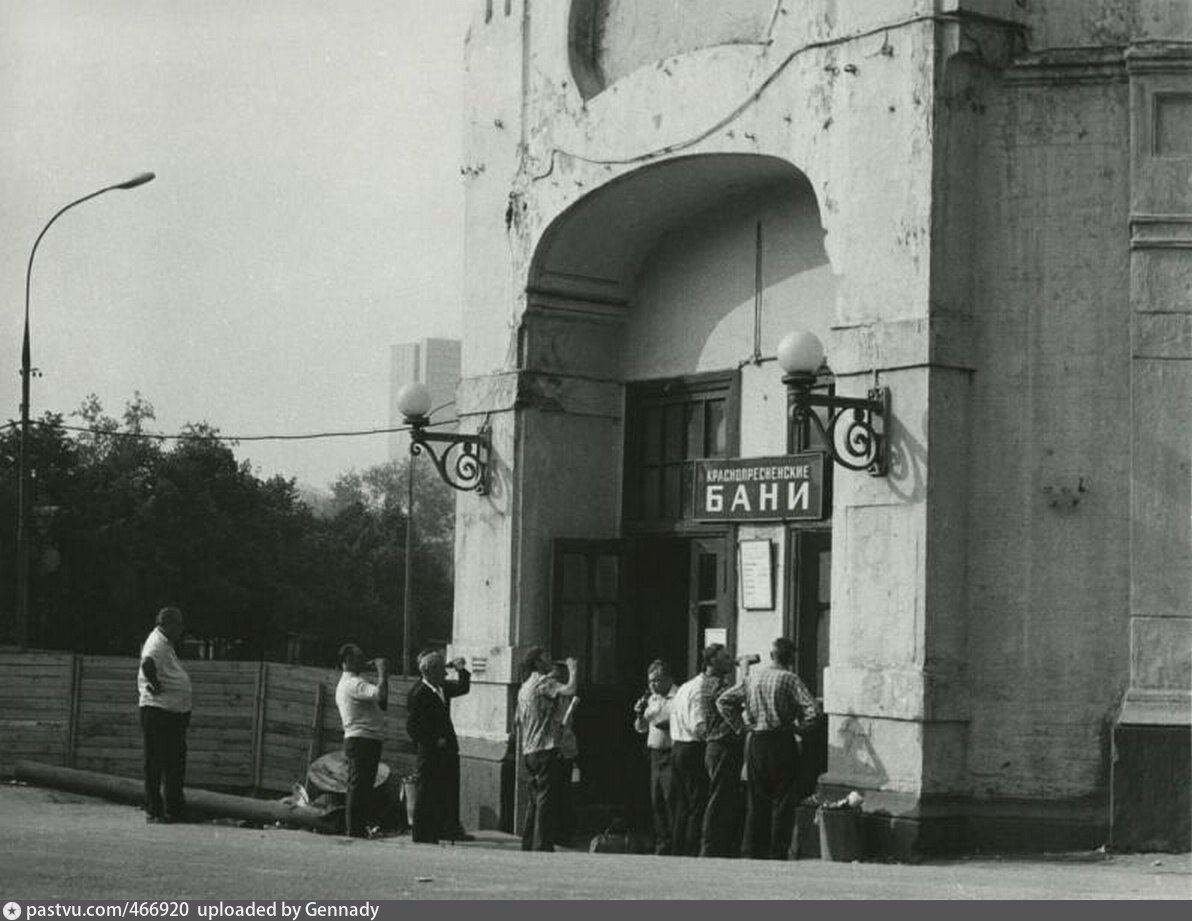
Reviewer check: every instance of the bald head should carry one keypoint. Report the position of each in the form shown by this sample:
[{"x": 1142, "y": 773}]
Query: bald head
[{"x": 169, "y": 620}]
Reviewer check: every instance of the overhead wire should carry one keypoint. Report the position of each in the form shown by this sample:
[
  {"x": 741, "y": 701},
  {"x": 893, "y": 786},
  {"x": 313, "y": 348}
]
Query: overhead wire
[{"x": 217, "y": 436}]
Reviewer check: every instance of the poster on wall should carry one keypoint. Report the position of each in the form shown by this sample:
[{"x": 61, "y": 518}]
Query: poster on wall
[{"x": 756, "y": 575}]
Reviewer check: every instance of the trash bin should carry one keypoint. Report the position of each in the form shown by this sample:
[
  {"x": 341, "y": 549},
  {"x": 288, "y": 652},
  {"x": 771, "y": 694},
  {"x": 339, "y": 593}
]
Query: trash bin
[{"x": 840, "y": 833}]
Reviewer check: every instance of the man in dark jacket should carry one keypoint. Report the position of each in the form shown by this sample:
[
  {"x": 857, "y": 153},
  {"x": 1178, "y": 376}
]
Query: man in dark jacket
[{"x": 436, "y": 807}]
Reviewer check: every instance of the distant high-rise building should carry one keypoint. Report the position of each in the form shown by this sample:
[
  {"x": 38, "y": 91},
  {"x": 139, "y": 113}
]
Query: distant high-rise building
[{"x": 433, "y": 362}]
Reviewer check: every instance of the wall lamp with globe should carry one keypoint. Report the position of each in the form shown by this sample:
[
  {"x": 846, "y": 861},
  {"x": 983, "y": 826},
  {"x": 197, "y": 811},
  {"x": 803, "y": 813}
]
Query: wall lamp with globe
[
  {"x": 861, "y": 444},
  {"x": 462, "y": 460}
]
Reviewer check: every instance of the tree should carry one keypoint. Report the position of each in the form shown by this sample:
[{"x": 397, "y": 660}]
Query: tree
[
  {"x": 369, "y": 513},
  {"x": 131, "y": 522}
]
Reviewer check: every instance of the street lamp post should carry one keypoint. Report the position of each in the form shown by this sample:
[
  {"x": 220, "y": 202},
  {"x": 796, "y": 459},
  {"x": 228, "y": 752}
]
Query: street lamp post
[
  {"x": 23, "y": 492},
  {"x": 408, "y": 591}
]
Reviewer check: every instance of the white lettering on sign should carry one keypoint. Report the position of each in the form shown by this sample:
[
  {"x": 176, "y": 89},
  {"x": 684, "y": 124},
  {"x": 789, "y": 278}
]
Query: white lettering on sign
[
  {"x": 748, "y": 474},
  {"x": 764, "y": 488}
]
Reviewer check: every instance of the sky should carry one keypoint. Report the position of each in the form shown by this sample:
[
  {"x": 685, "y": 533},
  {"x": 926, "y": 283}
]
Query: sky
[{"x": 307, "y": 212}]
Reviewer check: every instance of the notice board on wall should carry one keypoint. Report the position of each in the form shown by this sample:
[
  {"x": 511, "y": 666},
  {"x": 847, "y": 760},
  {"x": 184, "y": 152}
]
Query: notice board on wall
[{"x": 756, "y": 574}]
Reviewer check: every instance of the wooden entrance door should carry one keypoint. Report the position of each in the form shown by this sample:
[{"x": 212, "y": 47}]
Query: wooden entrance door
[
  {"x": 591, "y": 621},
  {"x": 808, "y": 622},
  {"x": 617, "y": 606}
]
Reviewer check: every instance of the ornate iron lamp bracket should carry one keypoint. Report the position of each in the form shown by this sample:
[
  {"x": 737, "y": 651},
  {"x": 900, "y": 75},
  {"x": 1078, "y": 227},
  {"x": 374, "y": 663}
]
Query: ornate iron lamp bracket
[
  {"x": 462, "y": 461},
  {"x": 861, "y": 444}
]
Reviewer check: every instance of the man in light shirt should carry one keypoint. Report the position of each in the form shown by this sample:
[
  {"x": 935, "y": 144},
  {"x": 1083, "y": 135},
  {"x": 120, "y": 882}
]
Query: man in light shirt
[
  {"x": 540, "y": 739},
  {"x": 688, "y": 732},
  {"x": 652, "y": 715},
  {"x": 361, "y": 710},
  {"x": 165, "y": 702}
]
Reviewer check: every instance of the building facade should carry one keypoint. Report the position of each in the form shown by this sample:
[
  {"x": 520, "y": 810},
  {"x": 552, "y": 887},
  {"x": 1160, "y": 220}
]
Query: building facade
[
  {"x": 433, "y": 362},
  {"x": 984, "y": 206}
]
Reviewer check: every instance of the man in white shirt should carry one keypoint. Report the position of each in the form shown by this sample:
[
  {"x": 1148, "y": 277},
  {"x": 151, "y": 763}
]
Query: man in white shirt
[
  {"x": 652, "y": 715},
  {"x": 688, "y": 732},
  {"x": 361, "y": 710},
  {"x": 165, "y": 701}
]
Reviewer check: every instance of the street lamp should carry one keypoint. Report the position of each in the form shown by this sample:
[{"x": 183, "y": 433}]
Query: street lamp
[
  {"x": 23, "y": 470},
  {"x": 463, "y": 461},
  {"x": 462, "y": 464},
  {"x": 863, "y": 443}
]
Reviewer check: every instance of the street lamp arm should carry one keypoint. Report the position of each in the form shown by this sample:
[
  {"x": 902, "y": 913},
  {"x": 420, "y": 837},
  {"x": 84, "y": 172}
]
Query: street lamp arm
[
  {"x": 26, "y": 373},
  {"x": 137, "y": 180}
]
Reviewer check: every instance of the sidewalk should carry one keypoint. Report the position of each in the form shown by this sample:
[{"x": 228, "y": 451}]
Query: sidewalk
[{"x": 63, "y": 845}]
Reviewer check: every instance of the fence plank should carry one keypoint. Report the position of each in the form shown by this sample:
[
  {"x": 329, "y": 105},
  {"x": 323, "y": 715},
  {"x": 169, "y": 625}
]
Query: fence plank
[{"x": 253, "y": 724}]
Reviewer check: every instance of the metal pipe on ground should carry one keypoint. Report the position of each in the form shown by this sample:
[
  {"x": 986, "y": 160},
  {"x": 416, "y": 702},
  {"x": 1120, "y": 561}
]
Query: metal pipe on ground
[{"x": 201, "y": 803}]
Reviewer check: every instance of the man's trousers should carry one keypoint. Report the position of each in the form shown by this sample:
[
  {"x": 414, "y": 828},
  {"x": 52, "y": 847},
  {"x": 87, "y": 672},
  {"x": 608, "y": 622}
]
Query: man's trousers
[
  {"x": 364, "y": 755},
  {"x": 725, "y": 812},
  {"x": 546, "y": 778},
  {"x": 438, "y": 785},
  {"x": 164, "y": 733},
  {"x": 661, "y": 798},
  {"x": 770, "y": 818},
  {"x": 690, "y": 796}
]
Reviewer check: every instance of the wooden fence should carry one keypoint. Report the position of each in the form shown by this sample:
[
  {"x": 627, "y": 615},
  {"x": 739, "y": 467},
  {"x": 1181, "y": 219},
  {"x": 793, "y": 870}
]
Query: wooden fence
[{"x": 256, "y": 726}]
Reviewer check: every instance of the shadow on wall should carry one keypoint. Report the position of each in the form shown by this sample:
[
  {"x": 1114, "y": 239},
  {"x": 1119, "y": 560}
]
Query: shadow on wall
[
  {"x": 702, "y": 278},
  {"x": 498, "y": 481},
  {"x": 908, "y": 462},
  {"x": 852, "y": 757}
]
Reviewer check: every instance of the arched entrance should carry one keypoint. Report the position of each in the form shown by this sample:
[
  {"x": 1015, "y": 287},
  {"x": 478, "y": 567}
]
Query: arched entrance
[{"x": 673, "y": 284}]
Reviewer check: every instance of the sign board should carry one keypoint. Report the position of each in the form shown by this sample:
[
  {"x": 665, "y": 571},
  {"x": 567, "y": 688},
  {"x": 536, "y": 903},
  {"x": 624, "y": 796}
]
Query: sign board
[
  {"x": 715, "y": 635},
  {"x": 756, "y": 575},
  {"x": 786, "y": 488}
]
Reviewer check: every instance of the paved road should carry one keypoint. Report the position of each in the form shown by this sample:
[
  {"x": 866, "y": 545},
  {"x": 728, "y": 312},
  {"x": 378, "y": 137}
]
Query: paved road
[{"x": 60, "y": 845}]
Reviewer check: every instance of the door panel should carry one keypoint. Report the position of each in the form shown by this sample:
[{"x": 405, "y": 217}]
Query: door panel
[
  {"x": 710, "y": 596},
  {"x": 812, "y": 592},
  {"x": 590, "y": 620},
  {"x": 808, "y": 623}
]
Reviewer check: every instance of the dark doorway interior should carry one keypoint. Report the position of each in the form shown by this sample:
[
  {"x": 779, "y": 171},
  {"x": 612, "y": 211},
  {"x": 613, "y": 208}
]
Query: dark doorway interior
[
  {"x": 618, "y": 605},
  {"x": 660, "y": 574},
  {"x": 808, "y": 619}
]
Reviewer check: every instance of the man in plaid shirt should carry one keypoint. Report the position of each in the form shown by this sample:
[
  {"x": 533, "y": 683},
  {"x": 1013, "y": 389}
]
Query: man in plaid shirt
[{"x": 774, "y": 705}]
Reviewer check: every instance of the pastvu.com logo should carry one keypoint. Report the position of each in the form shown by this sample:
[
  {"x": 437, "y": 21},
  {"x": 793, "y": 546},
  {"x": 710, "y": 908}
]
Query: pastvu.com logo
[{"x": 12, "y": 911}]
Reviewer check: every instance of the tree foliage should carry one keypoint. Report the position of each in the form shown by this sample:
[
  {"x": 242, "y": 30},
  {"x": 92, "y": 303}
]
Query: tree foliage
[{"x": 124, "y": 522}]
